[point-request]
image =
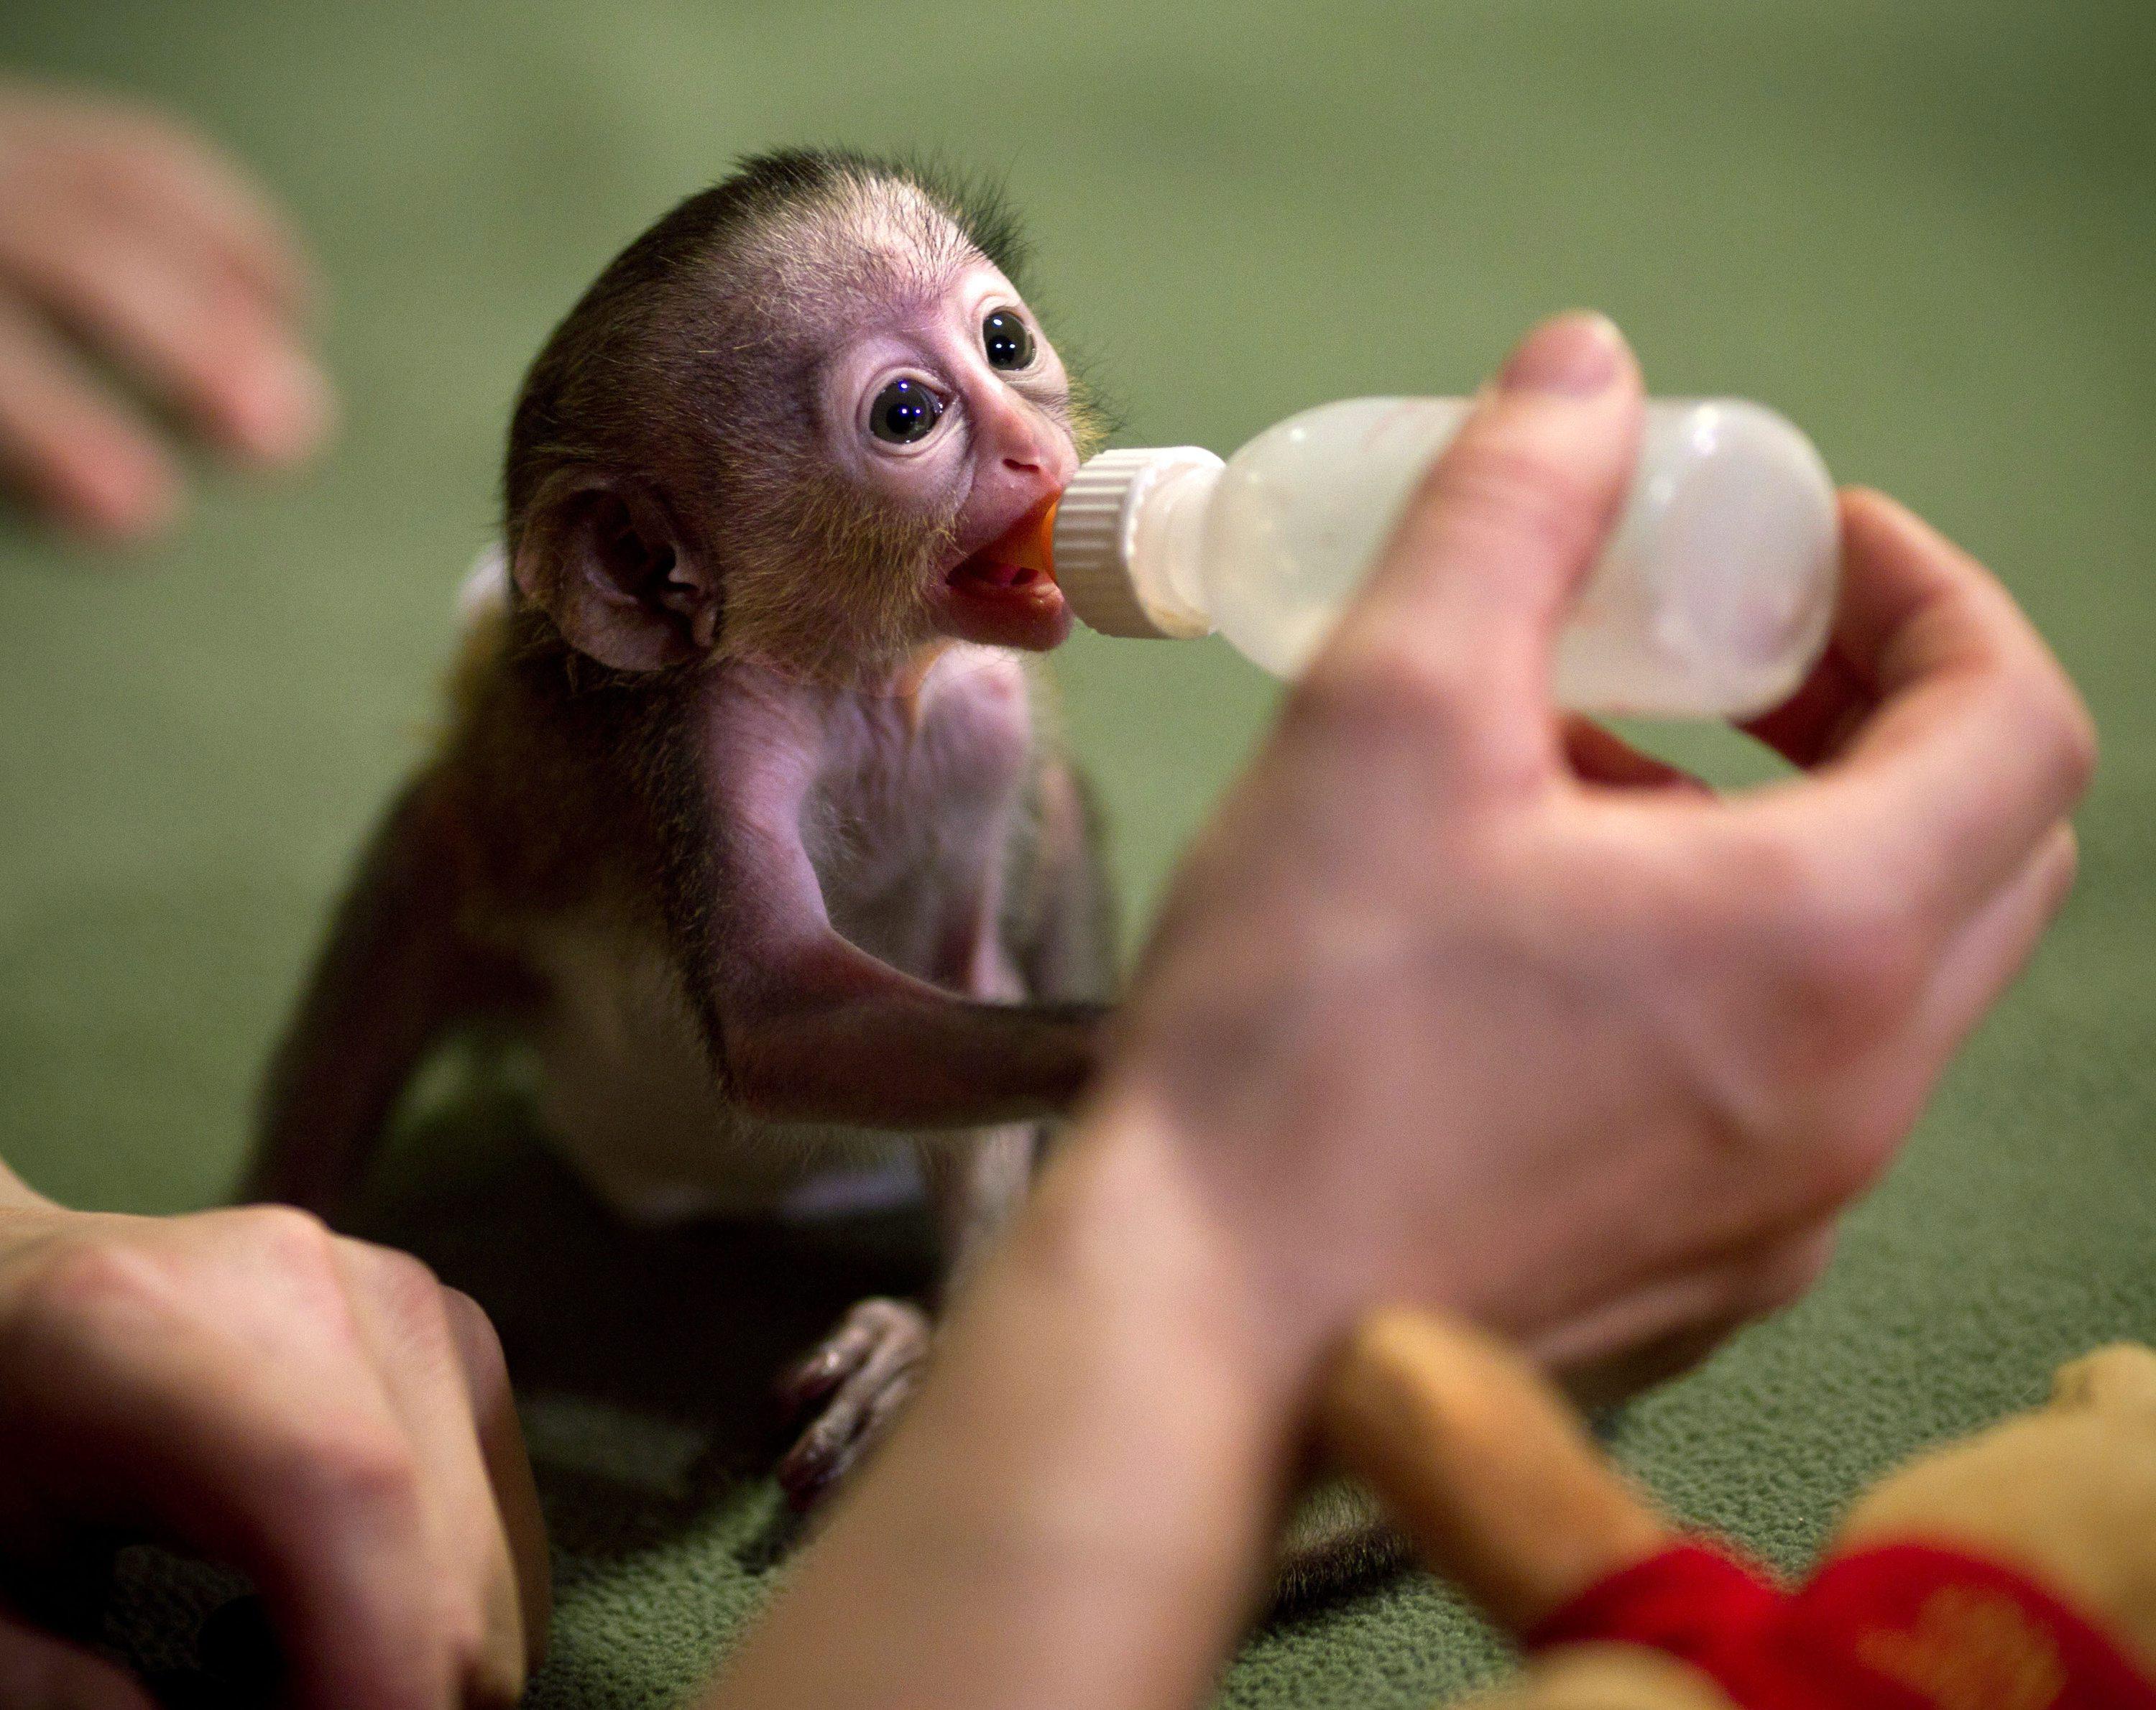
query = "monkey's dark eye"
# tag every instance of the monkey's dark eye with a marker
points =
(903, 412)
(1008, 341)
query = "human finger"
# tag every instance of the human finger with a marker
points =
(399, 1310)
(69, 448)
(174, 177)
(1977, 746)
(192, 333)
(1464, 606)
(1813, 723)
(1666, 1321)
(37, 1669)
(1993, 948)
(292, 1468)
(508, 1465)
(1811, 726)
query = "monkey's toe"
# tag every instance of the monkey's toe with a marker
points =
(861, 1374)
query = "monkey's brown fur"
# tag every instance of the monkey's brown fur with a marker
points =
(744, 813)
(687, 558)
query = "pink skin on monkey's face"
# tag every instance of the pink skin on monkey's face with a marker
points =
(961, 399)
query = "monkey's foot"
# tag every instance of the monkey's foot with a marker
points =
(857, 1379)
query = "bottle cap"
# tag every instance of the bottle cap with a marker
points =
(1096, 546)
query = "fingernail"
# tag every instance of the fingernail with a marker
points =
(1575, 355)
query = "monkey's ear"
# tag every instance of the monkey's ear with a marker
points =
(602, 557)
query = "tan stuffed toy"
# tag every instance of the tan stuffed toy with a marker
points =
(2013, 1571)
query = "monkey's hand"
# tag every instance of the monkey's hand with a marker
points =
(806, 1026)
(858, 1377)
(831, 1034)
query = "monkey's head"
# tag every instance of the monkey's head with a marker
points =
(785, 423)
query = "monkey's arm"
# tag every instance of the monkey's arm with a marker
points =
(810, 1027)
(802, 1024)
(395, 972)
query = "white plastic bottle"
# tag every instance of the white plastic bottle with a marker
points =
(1711, 599)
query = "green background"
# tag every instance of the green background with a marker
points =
(1927, 232)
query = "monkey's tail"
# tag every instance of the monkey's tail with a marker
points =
(1336, 1543)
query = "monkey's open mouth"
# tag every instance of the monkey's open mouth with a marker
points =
(988, 582)
(1006, 595)
(1005, 605)
(984, 567)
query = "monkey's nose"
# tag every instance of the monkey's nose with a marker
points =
(1045, 456)
(1028, 446)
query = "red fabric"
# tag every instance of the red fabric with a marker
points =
(1693, 1601)
(1904, 1627)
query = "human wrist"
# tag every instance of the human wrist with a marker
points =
(1080, 1503)
(1133, 1210)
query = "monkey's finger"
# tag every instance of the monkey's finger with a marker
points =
(191, 331)
(830, 1365)
(855, 1421)
(877, 1419)
(398, 1309)
(70, 450)
(37, 1669)
(293, 1469)
(1598, 755)
(863, 1403)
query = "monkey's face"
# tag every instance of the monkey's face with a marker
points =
(801, 441)
(950, 412)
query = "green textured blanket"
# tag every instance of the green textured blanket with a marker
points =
(1927, 231)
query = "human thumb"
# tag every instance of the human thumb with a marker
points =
(1468, 596)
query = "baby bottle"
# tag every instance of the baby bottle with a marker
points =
(1710, 599)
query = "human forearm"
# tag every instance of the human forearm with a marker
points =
(1075, 1511)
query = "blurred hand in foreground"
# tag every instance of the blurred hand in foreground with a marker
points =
(316, 1412)
(128, 243)
(1460, 1001)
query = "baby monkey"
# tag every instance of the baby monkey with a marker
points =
(745, 818)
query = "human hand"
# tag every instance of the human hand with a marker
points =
(316, 1412)
(125, 233)
(1463, 1003)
